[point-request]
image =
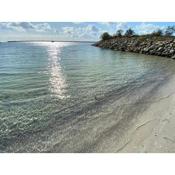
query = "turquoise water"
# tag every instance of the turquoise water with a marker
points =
(45, 86)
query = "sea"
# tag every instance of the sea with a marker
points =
(72, 96)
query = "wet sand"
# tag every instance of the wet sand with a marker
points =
(154, 131)
(147, 125)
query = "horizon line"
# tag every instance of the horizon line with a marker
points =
(51, 41)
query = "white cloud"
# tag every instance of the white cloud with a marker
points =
(72, 31)
(122, 26)
(68, 30)
(89, 30)
(85, 32)
(11, 26)
(26, 26)
(108, 24)
(146, 28)
(44, 27)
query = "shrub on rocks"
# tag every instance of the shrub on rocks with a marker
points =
(129, 32)
(105, 36)
(170, 31)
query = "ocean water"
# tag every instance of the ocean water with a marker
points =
(66, 96)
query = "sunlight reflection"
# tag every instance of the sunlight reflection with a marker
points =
(57, 79)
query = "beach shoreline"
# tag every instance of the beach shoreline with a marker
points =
(136, 116)
(154, 130)
(142, 125)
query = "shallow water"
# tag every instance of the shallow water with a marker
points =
(53, 93)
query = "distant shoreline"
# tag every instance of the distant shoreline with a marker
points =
(50, 41)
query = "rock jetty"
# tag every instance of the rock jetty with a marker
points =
(149, 45)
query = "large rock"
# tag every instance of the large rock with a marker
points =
(161, 46)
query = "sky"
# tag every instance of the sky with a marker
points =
(66, 31)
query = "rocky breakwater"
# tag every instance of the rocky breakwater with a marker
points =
(159, 46)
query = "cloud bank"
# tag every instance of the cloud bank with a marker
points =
(72, 30)
(25, 27)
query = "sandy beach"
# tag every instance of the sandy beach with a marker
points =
(154, 130)
(145, 126)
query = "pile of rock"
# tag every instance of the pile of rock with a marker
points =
(160, 46)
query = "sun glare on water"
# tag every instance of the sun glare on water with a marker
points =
(57, 80)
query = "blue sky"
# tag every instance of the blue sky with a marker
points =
(72, 30)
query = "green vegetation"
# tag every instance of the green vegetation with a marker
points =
(159, 32)
(119, 33)
(168, 32)
(105, 36)
(129, 32)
